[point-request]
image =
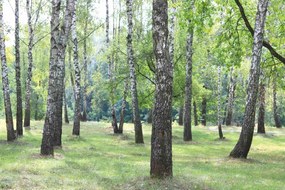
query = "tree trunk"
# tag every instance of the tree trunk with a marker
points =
(195, 114)
(36, 107)
(204, 111)
(30, 67)
(230, 101)
(180, 115)
(244, 143)
(5, 82)
(62, 43)
(85, 60)
(66, 120)
(77, 113)
(188, 84)
(121, 125)
(161, 137)
(19, 114)
(131, 61)
(221, 136)
(53, 122)
(261, 112)
(275, 108)
(110, 73)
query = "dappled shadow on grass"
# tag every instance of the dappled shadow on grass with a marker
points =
(175, 183)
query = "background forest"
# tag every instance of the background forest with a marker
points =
(220, 40)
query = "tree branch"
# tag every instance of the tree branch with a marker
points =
(265, 43)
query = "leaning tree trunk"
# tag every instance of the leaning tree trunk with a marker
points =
(244, 143)
(230, 101)
(187, 135)
(195, 113)
(52, 128)
(161, 137)
(180, 115)
(131, 61)
(5, 81)
(123, 109)
(76, 120)
(261, 111)
(221, 136)
(19, 114)
(204, 111)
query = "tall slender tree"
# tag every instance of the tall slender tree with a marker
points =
(85, 60)
(231, 95)
(51, 131)
(123, 109)
(131, 61)
(261, 98)
(188, 84)
(161, 137)
(77, 113)
(221, 136)
(110, 72)
(243, 145)
(5, 81)
(31, 44)
(19, 114)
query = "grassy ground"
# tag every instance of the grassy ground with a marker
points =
(100, 160)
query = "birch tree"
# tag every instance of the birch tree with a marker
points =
(131, 61)
(76, 120)
(5, 81)
(161, 137)
(243, 145)
(52, 130)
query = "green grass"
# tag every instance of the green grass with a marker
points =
(100, 160)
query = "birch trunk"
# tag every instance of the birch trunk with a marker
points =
(5, 81)
(19, 113)
(188, 86)
(161, 137)
(221, 136)
(85, 60)
(131, 61)
(52, 126)
(244, 143)
(76, 120)
(121, 125)
(62, 43)
(30, 67)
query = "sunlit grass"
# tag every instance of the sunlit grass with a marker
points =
(100, 160)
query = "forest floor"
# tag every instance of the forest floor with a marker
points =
(100, 160)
